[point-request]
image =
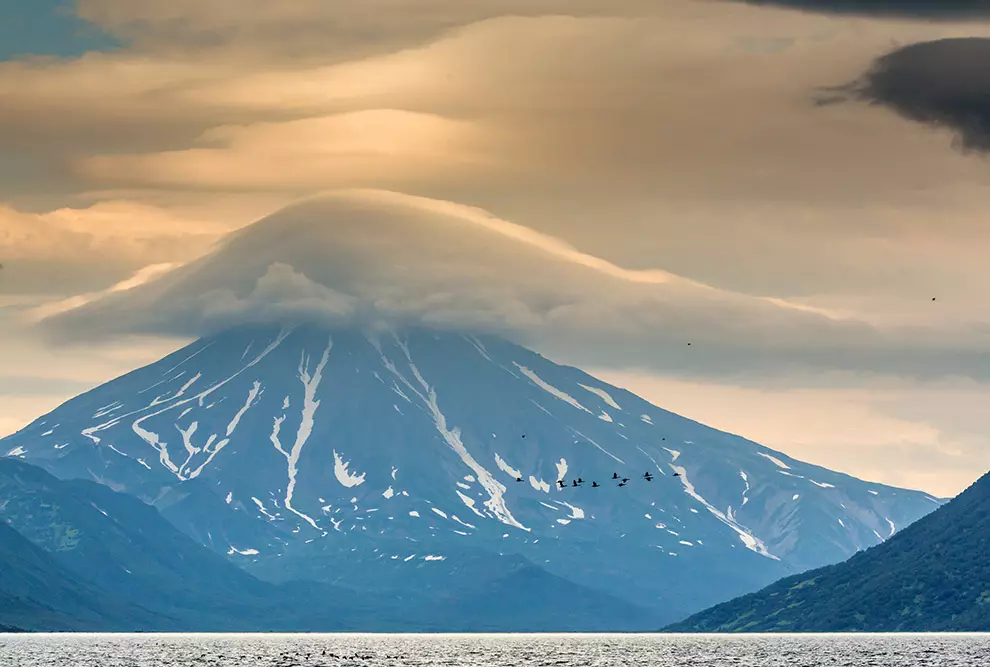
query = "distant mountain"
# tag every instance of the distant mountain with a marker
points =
(388, 464)
(84, 557)
(932, 577)
(37, 593)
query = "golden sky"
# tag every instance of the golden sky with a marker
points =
(669, 167)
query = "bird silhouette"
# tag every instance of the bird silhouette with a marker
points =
(595, 485)
(615, 475)
(518, 479)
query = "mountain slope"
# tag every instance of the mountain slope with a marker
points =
(101, 560)
(387, 463)
(37, 593)
(934, 576)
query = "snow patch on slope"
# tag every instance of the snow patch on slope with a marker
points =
(452, 436)
(752, 542)
(550, 389)
(601, 393)
(777, 462)
(310, 382)
(344, 476)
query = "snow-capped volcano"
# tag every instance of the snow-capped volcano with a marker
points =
(341, 422)
(397, 460)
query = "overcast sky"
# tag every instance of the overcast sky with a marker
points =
(604, 181)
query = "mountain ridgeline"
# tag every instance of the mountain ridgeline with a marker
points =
(422, 468)
(932, 577)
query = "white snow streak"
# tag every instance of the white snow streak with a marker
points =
(601, 393)
(469, 502)
(310, 384)
(576, 512)
(246, 552)
(600, 448)
(152, 438)
(752, 542)
(253, 394)
(647, 455)
(452, 436)
(550, 389)
(505, 467)
(261, 506)
(187, 435)
(17, 451)
(775, 461)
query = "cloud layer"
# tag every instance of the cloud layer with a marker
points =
(368, 258)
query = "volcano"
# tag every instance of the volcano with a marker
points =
(340, 417)
(410, 462)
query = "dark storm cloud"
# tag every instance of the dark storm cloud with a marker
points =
(944, 83)
(924, 9)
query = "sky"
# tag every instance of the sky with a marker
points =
(796, 188)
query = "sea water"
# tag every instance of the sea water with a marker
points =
(161, 650)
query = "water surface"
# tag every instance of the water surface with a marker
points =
(154, 650)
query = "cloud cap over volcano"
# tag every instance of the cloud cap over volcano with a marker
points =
(370, 258)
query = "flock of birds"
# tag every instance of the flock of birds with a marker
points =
(622, 481)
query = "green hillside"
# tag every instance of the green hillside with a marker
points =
(932, 576)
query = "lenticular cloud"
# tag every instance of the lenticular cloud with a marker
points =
(383, 259)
